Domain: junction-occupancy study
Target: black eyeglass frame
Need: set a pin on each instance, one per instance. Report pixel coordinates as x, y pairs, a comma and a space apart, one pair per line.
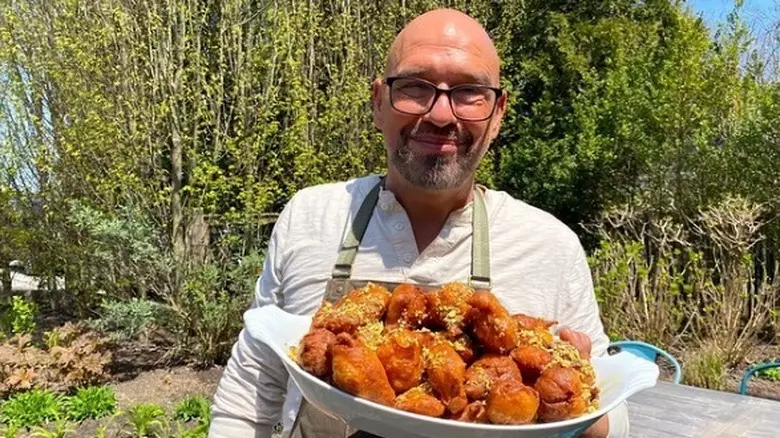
448, 91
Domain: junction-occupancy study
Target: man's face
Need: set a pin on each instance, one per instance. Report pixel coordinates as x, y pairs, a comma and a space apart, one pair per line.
438, 150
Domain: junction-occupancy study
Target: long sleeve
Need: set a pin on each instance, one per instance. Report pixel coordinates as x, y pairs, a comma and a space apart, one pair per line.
581, 313
250, 395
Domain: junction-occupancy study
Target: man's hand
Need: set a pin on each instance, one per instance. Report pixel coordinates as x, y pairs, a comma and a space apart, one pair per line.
580, 340
599, 429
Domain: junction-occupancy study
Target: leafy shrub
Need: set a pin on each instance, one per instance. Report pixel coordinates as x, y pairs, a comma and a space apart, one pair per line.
193, 408
126, 320
73, 357
119, 253
147, 420
91, 402
32, 408
206, 312
19, 317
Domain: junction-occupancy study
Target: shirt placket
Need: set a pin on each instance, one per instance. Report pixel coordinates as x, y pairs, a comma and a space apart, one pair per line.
399, 229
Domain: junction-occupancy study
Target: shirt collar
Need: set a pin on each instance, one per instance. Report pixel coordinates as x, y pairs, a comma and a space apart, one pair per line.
388, 204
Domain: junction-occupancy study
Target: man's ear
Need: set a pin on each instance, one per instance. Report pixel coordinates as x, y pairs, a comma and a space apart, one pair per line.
498, 116
376, 102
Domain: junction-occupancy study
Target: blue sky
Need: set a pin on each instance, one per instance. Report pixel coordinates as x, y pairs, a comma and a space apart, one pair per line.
758, 14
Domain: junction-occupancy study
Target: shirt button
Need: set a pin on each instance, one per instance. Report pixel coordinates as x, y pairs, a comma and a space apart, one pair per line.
407, 258
399, 226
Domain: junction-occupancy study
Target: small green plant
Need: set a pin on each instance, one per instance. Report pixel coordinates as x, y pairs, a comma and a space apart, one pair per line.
127, 320
9, 432
147, 420
705, 368
91, 402
60, 428
201, 430
32, 408
102, 430
771, 374
19, 318
193, 408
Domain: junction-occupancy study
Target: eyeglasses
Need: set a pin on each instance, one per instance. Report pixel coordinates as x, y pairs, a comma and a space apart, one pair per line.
472, 103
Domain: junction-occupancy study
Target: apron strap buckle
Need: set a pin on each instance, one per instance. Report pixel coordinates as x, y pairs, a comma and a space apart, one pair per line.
479, 282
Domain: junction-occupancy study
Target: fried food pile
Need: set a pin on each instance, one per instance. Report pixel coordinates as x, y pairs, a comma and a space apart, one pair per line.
452, 353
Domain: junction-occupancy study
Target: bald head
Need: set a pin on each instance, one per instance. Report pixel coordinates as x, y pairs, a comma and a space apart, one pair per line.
450, 34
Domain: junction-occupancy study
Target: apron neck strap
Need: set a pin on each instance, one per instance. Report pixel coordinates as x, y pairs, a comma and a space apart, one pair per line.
480, 241
351, 243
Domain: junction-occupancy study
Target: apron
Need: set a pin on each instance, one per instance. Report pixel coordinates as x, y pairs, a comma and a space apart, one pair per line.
312, 422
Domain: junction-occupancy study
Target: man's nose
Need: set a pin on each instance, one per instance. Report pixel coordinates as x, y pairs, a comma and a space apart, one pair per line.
441, 113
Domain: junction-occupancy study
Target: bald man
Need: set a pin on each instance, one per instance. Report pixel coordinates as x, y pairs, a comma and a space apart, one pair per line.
439, 106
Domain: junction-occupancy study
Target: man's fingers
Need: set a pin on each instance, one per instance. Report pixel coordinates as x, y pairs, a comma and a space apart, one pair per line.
581, 341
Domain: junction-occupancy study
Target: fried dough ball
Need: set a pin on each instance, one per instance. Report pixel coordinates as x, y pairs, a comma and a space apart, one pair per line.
401, 356
446, 372
358, 371
407, 307
492, 324
448, 307
428, 338
533, 331
315, 352
420, 400
560, 391
358, 307
483, 373
464, 346
511, 402
474, 412
531, 360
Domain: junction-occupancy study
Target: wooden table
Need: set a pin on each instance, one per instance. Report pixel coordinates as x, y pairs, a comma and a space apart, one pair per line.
669, 410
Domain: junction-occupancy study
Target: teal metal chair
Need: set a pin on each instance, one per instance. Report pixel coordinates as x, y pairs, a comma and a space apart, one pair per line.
649, 352
743, 386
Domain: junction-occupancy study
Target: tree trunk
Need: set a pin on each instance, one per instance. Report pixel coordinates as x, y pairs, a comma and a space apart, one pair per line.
177, 209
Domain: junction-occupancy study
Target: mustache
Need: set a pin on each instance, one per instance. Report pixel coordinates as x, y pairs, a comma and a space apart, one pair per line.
450, 132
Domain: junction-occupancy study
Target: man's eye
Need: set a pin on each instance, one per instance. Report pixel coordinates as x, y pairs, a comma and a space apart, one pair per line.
471, 95
414, 89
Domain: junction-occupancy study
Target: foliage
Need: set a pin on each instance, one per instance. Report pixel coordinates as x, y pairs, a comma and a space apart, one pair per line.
60, 428
9, 431
193, 408
771, 374
639, 277
32, 408
19, 318
203, 315
201, 430
127, 320
651, 286
147, 420
91, 402
74, 356
705, 367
